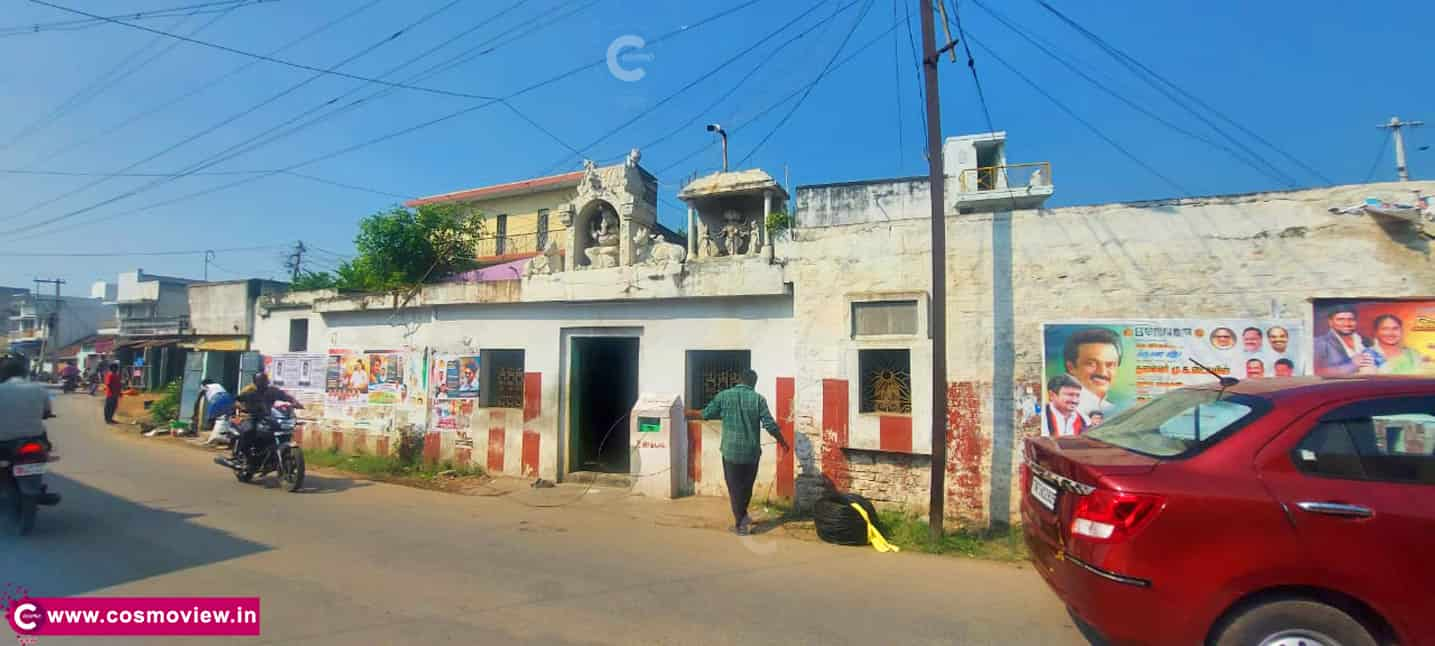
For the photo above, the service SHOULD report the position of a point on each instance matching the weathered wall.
(1259, 255)
(535, 436)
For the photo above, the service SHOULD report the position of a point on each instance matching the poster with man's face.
(1373, 336)
(1110, 366)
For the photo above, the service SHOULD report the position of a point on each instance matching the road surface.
(353, 562)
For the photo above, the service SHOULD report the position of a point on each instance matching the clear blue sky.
(1313, 78)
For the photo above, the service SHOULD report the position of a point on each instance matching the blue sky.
(1312, 78)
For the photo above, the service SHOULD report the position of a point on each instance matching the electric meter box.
(658, 446)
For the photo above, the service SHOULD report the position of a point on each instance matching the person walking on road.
(742, 411)
(112, 392)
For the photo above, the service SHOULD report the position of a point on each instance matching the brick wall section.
(890, 479)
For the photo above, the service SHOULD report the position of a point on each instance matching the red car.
(1294, 511)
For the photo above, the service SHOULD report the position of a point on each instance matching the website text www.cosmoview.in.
(151, 616)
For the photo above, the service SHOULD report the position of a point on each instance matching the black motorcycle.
(23, 464)
(272, 449)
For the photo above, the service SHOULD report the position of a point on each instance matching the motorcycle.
(23, 463)
(271, 450)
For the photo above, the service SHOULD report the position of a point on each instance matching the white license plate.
(1044, 493)
(30, 469)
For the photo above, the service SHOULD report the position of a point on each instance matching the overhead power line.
(758, 42)
(1071, 113)
(170, 102)
(821, 75)
(1249, 157)
(381, 138)
(221, 123)
(791, 95)
(125, 254)
(1384, 144)
(271, 59)
(767, 57)
(103, 82)
(1162, 84)
(86, 23)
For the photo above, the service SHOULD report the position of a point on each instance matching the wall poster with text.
(1373, 336)
(301, 374)
(1100, 368)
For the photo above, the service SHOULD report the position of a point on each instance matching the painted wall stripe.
(896, 433)
(786, 388)
(433, 445)
(530, 454)
(834, 432)
(532, 395)
(695, 450)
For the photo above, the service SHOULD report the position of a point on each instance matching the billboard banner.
(301, 374)
(455, 377)
(1373, 336)
(1100, 368)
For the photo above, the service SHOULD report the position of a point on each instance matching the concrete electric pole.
(1394, 126)
(937, 176)
(51, 318)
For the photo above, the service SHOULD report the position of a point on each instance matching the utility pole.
(52, 318)
(208, 256)
(937, 176)
(1394, 126)
(295, 263)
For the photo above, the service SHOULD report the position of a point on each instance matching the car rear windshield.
(1180, 423)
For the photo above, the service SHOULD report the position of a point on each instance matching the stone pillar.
(766, 211)
(625, 235)
(692, 233)
(702, 229)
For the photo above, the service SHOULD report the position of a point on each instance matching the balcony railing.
(991, 178)
(517, 243)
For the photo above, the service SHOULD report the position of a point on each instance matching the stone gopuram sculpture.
(603, 231)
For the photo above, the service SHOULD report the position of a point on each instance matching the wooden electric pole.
(937, 176)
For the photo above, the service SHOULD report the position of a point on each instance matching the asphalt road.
(352, 562)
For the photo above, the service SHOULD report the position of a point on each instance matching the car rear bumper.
(1121, 608)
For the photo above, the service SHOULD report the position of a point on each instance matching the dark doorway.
(605, 387)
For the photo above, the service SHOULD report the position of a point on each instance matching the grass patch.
(911, 532)
(376, 466)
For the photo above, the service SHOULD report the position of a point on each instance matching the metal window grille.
(885, 380)
(713, 371)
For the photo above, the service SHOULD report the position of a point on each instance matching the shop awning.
(222, 344)
(149, 342)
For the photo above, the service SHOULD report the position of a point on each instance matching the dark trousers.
(740, 478)
(111, 403)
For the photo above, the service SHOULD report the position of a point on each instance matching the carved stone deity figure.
(603, 231)
(734, 233)
(754, 240)
(546, 262)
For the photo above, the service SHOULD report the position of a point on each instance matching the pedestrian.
(112, 392)
(742, 411)
(218, 405)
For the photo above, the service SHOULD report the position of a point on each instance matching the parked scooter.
(23, 463)
(272, 448)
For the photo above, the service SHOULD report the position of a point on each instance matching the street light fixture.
(713, 127)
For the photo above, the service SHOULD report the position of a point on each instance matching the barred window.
(504, 370)
(885, 380)
(713, 371)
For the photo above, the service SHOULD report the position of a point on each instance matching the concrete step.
(600, 479)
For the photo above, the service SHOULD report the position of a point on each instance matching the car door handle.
(1336, 509)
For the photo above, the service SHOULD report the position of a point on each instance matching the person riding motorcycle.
(25, 405)
(257, 399)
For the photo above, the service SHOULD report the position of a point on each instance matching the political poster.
(1100, 368)
(455, 377)
(347, 377)
(1373, 336)
(302, 374)
(385, 378)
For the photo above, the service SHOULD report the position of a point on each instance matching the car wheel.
(1294, 622)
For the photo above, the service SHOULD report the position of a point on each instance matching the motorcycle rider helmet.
(13, 365)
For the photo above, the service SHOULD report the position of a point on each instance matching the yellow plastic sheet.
(873, 536)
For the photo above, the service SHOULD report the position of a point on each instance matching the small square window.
(713, 371)
(885, 377)
(503, 369)
(299, 335)
(875, 318)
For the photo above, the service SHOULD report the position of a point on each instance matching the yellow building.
(519, 217)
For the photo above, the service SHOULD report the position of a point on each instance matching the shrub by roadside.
(911, 532)
(383, 467)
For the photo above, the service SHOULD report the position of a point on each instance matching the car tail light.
(30, 450)
(1107, 516)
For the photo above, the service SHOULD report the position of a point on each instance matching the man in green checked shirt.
(742, 410)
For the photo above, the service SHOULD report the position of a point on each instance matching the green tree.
(403, 247)
(314, 280)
